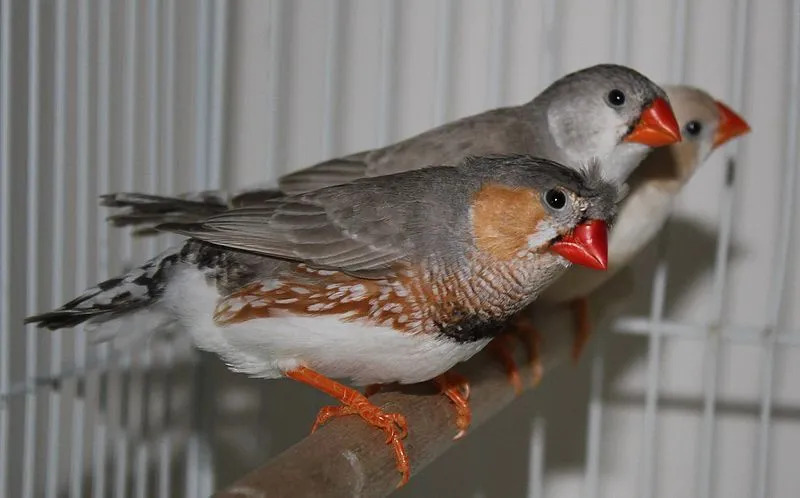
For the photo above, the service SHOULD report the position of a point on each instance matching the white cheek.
(545, 232)
(704, 149)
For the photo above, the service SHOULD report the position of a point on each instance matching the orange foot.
(583, 327)
(355, 403)
(529, 334)
(456, 387)
(501, 350)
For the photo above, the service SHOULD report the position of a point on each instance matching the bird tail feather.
(145, 211)
(134, 293)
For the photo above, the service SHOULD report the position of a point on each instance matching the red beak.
(731, 125)
(587, 245)
(657, 126)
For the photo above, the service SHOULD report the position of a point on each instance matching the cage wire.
(174, 96)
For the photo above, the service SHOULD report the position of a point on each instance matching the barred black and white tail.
(115, 298)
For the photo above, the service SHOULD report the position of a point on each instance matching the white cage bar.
(5, 234)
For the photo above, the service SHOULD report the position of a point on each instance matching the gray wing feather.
(308, 229)
(499, 131)
(326, 174)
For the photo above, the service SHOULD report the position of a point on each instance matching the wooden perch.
(348, 458)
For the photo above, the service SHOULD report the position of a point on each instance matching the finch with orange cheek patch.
(706, 124)
(386, 279)
(606, 112)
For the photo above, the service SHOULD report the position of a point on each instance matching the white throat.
(623, 159)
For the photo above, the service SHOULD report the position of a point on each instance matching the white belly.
(267, 347)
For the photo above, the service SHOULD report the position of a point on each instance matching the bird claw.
(456, 387)
(533, 339)
(499, 348)
(355, 403)
(328, 412)
(394, 425)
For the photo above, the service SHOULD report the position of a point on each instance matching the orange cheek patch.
(503, 218)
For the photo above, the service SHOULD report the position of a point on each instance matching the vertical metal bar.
(497, 52)
(198, 451)
(776, 299)
(444, 56)
(650, 432)
(388, 63)
(737, 99)
(168, 96)
(57, 270)
(164, 485)
(333, 57)
(5, 233)
(551, 41)
(711, 357)
(620, 47)
(32, 249)
(145, 358)
(275, 68)
(152, 28)
(620, 51)
(196, 446)
(650, 428)
(214, 137)
(680, 21)
(103, 103)
(81, 246)
(168, 166)
(123, 373)
(595, 416)
(218, 78)
(201, 94)
(537, 457)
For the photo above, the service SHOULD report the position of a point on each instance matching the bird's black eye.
(555, 198)
(693, 128)
(616, 98)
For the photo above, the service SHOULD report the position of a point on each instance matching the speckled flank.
(383, 302)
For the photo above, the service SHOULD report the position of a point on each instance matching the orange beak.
(657, 126)
(731, 125)
(587, 245)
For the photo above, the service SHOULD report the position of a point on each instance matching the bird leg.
(583, 327)
(456, 387)
(528, 333)
(500, 348)
(354, 403)
(371, 389)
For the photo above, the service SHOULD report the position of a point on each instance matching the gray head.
(519, 203)
(608, 112)
(586, 195)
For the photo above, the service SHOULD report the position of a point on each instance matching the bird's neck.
(622, 161)
(486, 293)
(667, 168)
